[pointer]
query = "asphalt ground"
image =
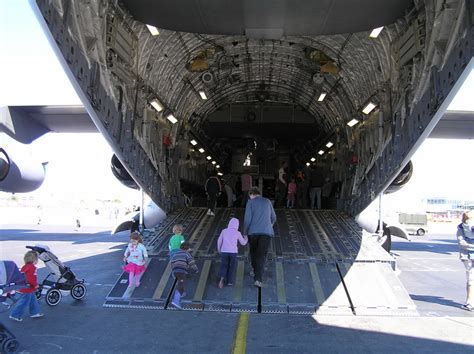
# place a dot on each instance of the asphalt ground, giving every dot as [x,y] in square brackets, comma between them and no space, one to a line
[429,268]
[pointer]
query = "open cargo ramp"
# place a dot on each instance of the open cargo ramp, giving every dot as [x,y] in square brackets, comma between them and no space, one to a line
[318,263]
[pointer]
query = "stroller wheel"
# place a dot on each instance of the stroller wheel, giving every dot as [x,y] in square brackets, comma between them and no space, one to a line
[10,346]
[78,291]
[38,293]
[53,297]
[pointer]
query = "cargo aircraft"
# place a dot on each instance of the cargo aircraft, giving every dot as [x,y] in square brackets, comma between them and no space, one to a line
[181,89]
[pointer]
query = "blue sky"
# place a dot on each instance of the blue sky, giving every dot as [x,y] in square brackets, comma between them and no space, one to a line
[79,163]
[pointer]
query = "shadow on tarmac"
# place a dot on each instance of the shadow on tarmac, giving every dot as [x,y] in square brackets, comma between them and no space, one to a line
[431,247]
[79,237]
[125,331]
[436,300]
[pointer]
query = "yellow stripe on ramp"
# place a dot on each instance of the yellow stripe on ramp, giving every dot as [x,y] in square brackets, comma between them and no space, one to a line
[163,281]
[202,281]
[240,341]
[318,289]
[239,281]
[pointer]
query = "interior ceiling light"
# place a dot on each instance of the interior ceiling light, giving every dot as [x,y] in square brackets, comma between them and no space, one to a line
[329,144]
[201,150]
[172,118]
[353,122]
[307,164]
[203,95]
[313,159]
[218,166]
[153,30]
[209,157]
[321,97]
[213,162]
[156,104]
[320,152]
[193,142]
[367,109]
[375,32]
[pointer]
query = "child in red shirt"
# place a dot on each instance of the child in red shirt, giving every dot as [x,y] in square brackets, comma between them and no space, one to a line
[27,295]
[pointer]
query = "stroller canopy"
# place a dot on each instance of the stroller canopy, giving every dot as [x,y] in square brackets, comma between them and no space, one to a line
[9,273]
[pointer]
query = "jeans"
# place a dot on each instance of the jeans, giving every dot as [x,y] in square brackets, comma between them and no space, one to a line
[212,201]
[313,193]
[228,266]
[259,245]
[26,300]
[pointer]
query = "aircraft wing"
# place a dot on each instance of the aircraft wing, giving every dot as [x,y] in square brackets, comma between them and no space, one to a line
[27,123]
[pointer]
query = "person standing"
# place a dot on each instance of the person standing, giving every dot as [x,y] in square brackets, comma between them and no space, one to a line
[258,225]
[281,185]
[465,236]
[246,183]
[28,299]
[229,191]
[292,189]
[213,188]
[315,188]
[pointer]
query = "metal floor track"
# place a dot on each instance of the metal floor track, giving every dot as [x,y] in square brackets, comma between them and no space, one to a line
[318,263]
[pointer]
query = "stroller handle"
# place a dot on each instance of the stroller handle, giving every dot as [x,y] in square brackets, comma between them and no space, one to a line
[38,248]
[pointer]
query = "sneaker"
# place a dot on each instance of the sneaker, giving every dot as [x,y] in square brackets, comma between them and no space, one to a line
[252,273]
[176,305]
[229,284]
[258,284]
[208,212]
[38,315]
[16,318]
[211,213]
[466,307]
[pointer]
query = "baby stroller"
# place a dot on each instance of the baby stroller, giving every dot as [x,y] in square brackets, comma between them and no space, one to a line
[10,279]
[60,279]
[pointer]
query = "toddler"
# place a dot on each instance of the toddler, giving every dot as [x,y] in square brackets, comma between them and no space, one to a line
[177,239]
[27,295]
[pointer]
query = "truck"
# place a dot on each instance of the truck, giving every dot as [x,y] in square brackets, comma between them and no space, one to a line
[414,223]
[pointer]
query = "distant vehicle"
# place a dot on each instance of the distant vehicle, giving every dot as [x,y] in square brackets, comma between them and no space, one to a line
[414,223]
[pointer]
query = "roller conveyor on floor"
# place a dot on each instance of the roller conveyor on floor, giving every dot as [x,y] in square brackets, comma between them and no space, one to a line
[318,262]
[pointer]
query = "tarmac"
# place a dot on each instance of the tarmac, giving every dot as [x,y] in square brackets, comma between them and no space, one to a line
[429,269]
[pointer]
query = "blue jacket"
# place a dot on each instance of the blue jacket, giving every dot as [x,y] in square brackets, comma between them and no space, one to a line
[259,217]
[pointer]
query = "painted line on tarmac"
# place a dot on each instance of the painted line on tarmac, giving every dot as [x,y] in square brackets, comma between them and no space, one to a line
[240,341]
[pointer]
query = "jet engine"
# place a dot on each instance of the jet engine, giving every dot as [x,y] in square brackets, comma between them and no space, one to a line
[369,219]
[402,179]
[121,173]
[20,172]
[152,214]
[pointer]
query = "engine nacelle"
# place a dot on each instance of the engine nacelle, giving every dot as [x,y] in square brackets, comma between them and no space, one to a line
[402,179]
[20,172]
[121,173]
[368,219]
[152,216]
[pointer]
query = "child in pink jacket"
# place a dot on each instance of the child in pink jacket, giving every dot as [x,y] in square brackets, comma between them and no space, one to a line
[227,247]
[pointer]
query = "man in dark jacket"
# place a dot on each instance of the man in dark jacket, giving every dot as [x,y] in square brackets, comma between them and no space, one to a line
[213,188]
[258,225]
